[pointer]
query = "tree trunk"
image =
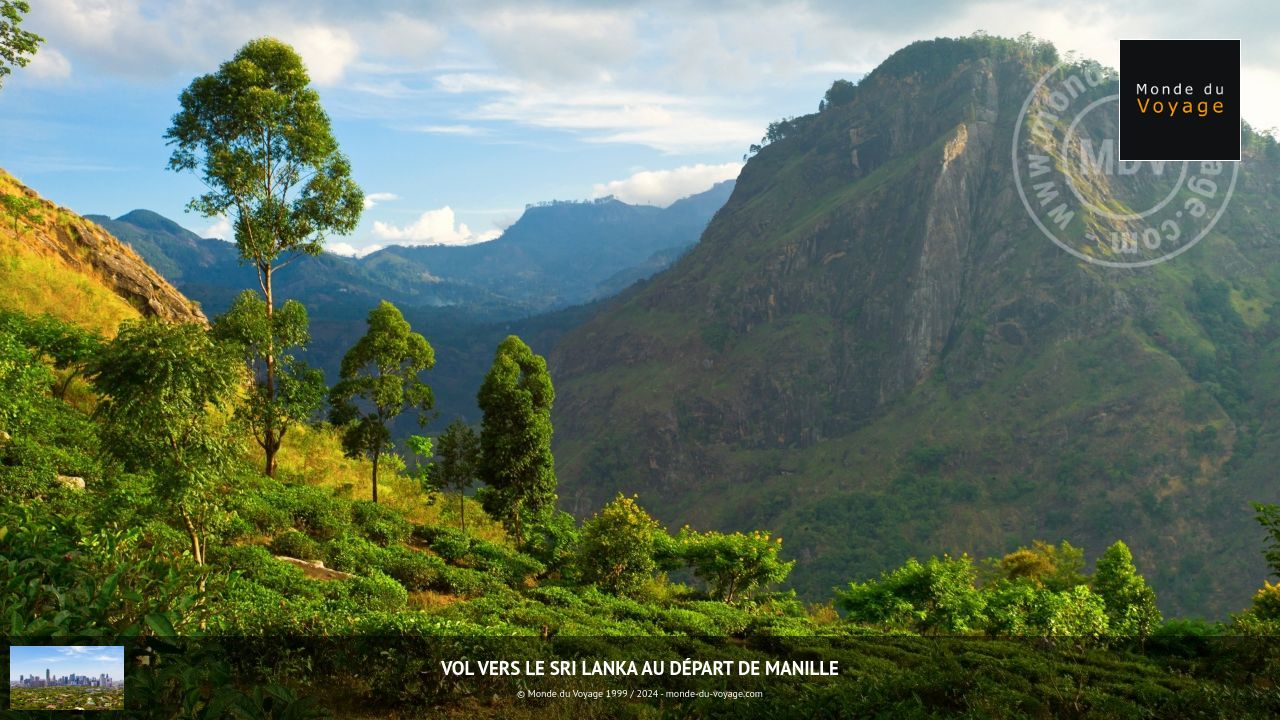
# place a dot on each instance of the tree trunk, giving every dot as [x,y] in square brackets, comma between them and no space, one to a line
[376,453]
[270,444]
[197,551]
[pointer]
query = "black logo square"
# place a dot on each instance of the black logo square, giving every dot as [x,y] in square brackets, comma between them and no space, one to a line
[1179,99]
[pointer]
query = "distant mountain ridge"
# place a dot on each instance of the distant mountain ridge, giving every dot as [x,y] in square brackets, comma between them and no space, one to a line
[603,244]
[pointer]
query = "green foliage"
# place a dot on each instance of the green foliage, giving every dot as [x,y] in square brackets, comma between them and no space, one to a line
[452,545]
[295,392]
[297,545]
[378,381]
[313,510]
[354,554]
[935,596]
[257,564]
[1130,602]
[19,208]
[515,437]
[414,570]
[382,525]
[57,577]
[158,384]
[733,565]
[22,381]
[458,449]
[617,547]
[16,45]
[1266,602]
[1269,518]
[263,146]
[1057,568]
[378,592]
[554,541]
[70,348]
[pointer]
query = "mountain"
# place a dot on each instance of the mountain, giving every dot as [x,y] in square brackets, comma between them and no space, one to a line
[59,263]
[875,351]
[465,300]
[605,242]
[210,271]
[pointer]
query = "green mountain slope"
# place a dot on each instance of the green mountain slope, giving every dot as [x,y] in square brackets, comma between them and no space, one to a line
[874,351]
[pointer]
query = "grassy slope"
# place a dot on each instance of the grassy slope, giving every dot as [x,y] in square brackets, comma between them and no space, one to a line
[38,283]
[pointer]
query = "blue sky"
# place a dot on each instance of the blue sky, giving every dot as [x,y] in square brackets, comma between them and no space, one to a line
[457,115]
[64,660]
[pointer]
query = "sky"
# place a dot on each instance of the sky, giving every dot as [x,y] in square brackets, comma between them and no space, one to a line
[64,660]
[455,115]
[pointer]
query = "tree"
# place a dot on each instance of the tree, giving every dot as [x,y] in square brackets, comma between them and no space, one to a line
[1054,567]
[459,453]
[299,390]
[256,132]
[378,381]
[515,436]
[841,92]
[616,547]
[160,385]
[1130,602]
[733,564]
[20,209]
[937,595]
[16,45]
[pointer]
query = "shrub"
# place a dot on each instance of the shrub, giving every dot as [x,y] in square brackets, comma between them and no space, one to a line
[297,545]
[378,591]
[351,553]
[318,513]
[937,595]
[733,564]
[616,549]
[262,512]
[379,523]
[448,543]
[511,565]
[554,542]
[414,570]
[463,581]
[255,563]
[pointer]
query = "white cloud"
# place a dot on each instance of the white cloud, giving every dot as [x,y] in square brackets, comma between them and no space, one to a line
[434,227]
[559,44]
[349,250]
[49,64]
[221,229]
[663,187]
[467,130]
[372,199]
[667,122]
[326,51]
